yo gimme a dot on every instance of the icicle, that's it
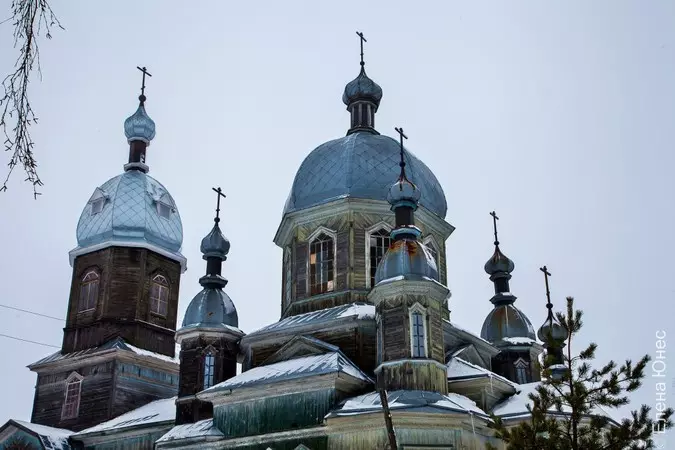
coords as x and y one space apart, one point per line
473 428
492 388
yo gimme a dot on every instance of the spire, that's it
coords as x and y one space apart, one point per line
552 333
362 97
215 248
139 129
404 197
499 267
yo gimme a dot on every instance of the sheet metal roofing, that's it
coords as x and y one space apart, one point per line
356 310
163 410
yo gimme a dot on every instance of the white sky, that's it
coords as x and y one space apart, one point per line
559 115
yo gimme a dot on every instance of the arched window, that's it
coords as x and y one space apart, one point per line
159 295
288 276
379 244
521 371
71 403
418 331
89 291
209 369
321 264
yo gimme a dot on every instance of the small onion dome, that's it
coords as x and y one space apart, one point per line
403 192
407 259
362 88
211 308
215 244
552 328
506 321
499 262
139 126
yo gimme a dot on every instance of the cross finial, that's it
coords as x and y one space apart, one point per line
218 191
494 224
549 305
363 39
145 72
402 163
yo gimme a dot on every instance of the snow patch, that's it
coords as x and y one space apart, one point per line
158 411
57 438
190 430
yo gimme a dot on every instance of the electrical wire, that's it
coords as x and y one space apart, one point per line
31 312
28 340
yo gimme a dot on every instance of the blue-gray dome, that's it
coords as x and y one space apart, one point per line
506 321
211 308
360 165
131 208
215 244
407 259
139 126
499 263
554 328
362 88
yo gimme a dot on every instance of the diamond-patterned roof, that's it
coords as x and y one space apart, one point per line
360 165
130 212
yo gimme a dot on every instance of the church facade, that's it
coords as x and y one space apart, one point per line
364 355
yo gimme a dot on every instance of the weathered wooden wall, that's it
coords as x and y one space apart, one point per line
123 306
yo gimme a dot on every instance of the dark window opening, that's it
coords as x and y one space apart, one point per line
321 264
379 244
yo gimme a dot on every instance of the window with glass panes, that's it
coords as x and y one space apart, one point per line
71 404
89 291
209 369
417 335
521 371
379 244
159 295
321 264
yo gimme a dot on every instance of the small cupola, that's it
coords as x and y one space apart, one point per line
139 129
553 335
362 97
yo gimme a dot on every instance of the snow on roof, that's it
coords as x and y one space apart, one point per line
519 340
293 368
143 352
432 402
459 368
191 430
457 327
515 407
357 310
52 438
163 410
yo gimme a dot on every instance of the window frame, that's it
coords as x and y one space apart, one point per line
66 411
521 366
369 232
313 237
162 287
288 276
92 284
209 361
432 245
418 309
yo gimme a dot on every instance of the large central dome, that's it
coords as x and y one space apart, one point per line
360 165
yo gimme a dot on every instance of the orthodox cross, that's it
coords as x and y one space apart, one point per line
549 305
494 224
402 136
363 39
218 191
145 72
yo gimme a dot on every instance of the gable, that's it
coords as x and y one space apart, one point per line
300 346
468 353
16 435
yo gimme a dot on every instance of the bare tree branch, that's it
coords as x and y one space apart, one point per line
30 18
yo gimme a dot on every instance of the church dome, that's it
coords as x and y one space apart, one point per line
360 165
407 259
131 208
215 244
211 308
139 126
362 88
506 321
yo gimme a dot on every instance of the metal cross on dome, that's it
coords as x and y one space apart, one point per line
549 305
363 39
218 191
494 224
145 72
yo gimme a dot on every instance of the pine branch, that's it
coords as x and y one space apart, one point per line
30 19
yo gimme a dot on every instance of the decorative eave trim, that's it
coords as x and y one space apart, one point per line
386 289
114 434
408 417
178 257
210 332
397 362
343 205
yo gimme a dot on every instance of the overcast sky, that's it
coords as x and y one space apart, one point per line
558 115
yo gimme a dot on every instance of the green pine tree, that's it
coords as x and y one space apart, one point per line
566 409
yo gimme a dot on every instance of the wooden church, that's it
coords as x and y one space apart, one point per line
364 355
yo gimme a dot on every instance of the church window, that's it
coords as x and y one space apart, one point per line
209 369
288 276
89 291
418 332
97 205
159 295
431 245
163 210
379 244
71 404
321 264
521 371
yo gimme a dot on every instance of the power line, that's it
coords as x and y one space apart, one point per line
27 340
31 312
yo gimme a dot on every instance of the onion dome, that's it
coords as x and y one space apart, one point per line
506 322
362 88
139 126
403 191
407 259
499 263
553 328
215 244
